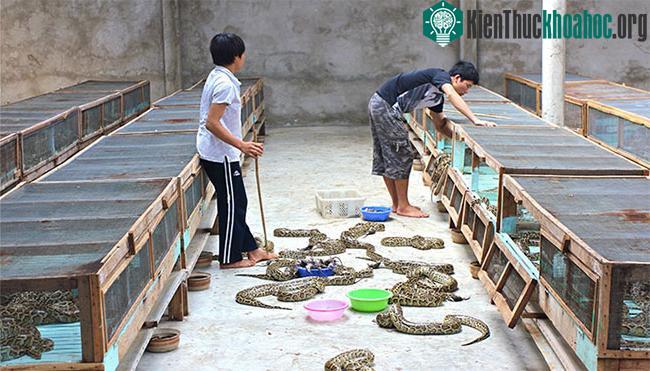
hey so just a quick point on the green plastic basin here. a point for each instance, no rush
(369, 300)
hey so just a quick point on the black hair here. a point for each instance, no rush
(466, 70)
(224, 47)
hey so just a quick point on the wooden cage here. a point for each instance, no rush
(622, 125)
(482, 156)
(526, 89)
(52, 127)
(592, 268)
(122, 263)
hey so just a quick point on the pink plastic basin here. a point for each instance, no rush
(326, 310)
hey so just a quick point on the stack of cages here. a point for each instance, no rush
(52, 127)
(526, 89)
(622, 125)
(80, 265)
(470, 183)
(579, 94)
(532, 149)
(120, 101)
(178, 117)
(591, 270)
(136, 157)
(482, 101)
(47, 133)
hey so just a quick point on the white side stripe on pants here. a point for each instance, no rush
(231, 212)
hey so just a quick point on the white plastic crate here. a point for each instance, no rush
(339, 203)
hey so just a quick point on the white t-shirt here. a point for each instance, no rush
(221, 86)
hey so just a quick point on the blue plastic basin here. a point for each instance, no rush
(375, 213)
(320, 272)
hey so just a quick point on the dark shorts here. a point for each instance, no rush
(392, 154)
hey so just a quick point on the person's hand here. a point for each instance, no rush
(485, 123)
(252, 149)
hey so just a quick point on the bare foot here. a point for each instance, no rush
(259, 255)
(244, 263)
(394, 208)
(411, 212)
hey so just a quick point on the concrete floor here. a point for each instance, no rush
(221, 334)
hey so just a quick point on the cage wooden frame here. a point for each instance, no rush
(597, 268)
(510, 314)
(469, 227)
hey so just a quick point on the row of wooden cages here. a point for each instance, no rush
(472, 193)
(614, 115)
(598, 304)
(36, 136)
(149, 263)
(252, 101)
(115, 301)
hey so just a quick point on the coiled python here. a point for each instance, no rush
(451, 324)
(352, 360)
(425, 287)
(418, 242)
(21, 312)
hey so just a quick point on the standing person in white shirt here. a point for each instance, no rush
(219, 143)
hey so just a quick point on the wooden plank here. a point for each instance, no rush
(92, 335)
(562, 353)
(56, 366)
(131, 359)
(170, 289)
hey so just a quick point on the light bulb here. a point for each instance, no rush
(442, 21)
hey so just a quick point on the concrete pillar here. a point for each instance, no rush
(171, 52)
(468, 50)
(553, 64)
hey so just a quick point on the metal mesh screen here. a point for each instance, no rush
(604, 127)
(125, 290)
(112, 112)
(529, 97)
(480, 230)
(9, 163)
(573, 116)
(47, 142)
(629, 321)
(573, 286)
(514, 91)
(496, 265)
(513, 288)
(134, 102)
(636, 139)
(91, 121)
(458, 199)
(468, 218)
(192, 196)
(165, 234)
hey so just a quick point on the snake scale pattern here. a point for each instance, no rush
(451, 324)
(418, 242)
(352, 360)
(425, 287)
(21, 312)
